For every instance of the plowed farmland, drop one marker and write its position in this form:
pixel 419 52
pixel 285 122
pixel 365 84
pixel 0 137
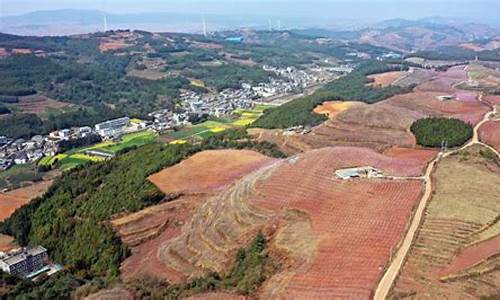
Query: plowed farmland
pixel 339 249
pixel 353 244
pixel 208 170
pixel 456 250
pixel 14 199
pixel 385 79
pixel 196 179
pixel 489 133
pixel 333 108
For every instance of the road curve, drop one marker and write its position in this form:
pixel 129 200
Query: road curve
pixel 392 271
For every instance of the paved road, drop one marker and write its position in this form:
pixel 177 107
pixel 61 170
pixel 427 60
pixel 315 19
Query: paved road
pixel 392 271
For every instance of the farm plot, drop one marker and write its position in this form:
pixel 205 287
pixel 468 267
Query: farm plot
pixel 463 212
pixel 7 243
pixel 385 79
pixel 444 81
pixel 208 171
pixel 301 197
pixel 489 133
pixel 198 178
pixel 39 105
pixel 12 200
pixel 209 128
pixel 354 244
pixel 333 108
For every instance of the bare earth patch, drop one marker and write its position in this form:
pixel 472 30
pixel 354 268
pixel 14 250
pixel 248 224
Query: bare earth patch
pixel 38 104
pixel 14 199
pixel 385 79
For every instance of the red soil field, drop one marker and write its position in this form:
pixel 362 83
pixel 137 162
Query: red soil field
pixel 473 255
pixel 148 230
pixel 110 46
pixel 38 104
pixel 385 79
pixel 423 156
pixel 444 81
pixel 493 100
pixel 198 178
pixel 7 243
pixel 489 133
pixel 208 171
pixel 14 199
pixel 358 222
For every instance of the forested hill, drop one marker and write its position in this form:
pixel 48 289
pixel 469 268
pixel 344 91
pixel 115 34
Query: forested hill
pixel 70 220
pixel 352 87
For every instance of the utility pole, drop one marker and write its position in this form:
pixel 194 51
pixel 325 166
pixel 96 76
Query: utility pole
pixel 279 25
pixel 270 25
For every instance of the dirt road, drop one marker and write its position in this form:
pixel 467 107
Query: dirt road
pixel 392 271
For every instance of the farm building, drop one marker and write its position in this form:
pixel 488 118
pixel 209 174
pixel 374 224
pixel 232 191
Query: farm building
pixel 358 172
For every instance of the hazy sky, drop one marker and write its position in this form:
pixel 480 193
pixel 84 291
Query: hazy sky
pixel 353 9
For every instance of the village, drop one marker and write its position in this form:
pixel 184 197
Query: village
pixel 194 106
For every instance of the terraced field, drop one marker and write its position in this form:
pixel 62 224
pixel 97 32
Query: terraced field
pixel 150 231
pixel 313 216
pixel 456 250
pixel 489 133
pixel 12 200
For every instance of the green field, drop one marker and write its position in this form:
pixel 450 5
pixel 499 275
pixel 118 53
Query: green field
pixel 77 157
pixel 207 129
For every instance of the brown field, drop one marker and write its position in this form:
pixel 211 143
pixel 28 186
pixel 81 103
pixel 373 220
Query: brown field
pixel 7 243
pixel 472 46
pixel 148 230
pixel 113 45
pixel 14 199
pixel 208 171
pixel 333 108
pixel 351 243
pixel 493 100
pixel 38 104
pixel 444 81
pixel 463 211
pixel 385 79
pixel 197 178
pixel 3 52
pixel 489 133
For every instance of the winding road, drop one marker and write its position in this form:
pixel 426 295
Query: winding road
pixel 393 270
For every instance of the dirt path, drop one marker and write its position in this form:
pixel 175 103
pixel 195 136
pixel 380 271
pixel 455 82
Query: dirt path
pixel 393 270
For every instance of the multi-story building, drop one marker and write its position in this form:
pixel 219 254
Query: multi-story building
pixel 24 261
pixel 112 127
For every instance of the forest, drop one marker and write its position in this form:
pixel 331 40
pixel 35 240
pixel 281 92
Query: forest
pixel 72 215
pixel 432 132
pixel 351 87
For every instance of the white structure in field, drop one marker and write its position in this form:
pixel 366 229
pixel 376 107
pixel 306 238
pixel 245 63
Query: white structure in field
pixel 359 172
pixel 112 127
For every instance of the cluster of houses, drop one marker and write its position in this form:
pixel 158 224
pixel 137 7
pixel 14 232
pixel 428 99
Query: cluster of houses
pixel 21 151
